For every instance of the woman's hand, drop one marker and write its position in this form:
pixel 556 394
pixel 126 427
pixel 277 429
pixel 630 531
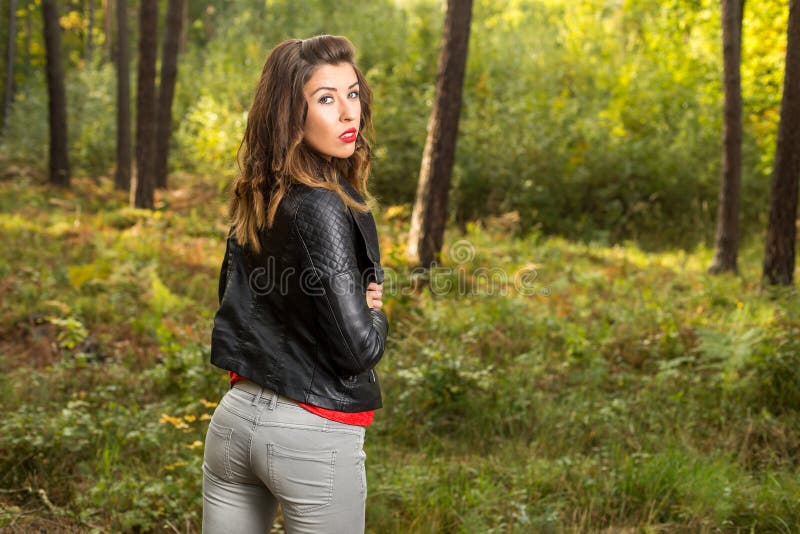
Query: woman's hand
pixel 375 295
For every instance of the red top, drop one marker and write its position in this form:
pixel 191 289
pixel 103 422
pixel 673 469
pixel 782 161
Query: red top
pixel 350 418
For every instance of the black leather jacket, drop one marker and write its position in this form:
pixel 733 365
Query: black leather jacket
pixel 294 318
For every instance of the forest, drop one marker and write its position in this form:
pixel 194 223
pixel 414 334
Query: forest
pixel 587 216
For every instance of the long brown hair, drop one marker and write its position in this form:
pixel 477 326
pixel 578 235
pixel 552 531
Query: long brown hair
pixel 272 154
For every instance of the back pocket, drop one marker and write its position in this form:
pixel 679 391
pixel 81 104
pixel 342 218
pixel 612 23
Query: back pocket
pixel 302 479
pixel 217 453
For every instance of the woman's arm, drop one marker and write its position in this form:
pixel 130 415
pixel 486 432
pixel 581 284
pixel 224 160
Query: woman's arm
pixel 357 333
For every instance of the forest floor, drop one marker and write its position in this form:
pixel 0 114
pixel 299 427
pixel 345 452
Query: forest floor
pixel 531 383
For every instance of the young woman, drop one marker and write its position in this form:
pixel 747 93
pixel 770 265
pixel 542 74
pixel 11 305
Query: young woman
pixel 299 325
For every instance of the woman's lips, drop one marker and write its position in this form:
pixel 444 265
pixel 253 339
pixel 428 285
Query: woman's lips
pixel 349 136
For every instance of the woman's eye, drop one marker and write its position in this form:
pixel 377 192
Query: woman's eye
pixel 354 93
pixel 324 99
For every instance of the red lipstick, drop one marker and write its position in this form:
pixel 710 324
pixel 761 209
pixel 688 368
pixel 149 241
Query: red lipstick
pixel 349 136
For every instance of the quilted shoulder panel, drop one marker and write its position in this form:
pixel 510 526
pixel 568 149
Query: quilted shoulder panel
pixel 325 227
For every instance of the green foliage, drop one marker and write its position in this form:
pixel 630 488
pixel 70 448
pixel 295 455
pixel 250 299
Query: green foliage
pixel 594 120
pixel 620 390
pixel 91 122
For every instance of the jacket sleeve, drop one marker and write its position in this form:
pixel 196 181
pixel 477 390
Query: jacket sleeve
pixel 356 333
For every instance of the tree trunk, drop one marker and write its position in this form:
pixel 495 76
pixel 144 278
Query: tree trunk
pixel 108 18
pixel 89 31
pixel 166 91
pixel 146 105
pixel 429 216
pixel 729 192
pixel 782 227
pixel 122 176
pixel 57 98
pixel 11 54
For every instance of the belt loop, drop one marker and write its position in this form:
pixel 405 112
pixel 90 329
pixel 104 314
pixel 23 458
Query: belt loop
pixel 257 398
pixel 273 401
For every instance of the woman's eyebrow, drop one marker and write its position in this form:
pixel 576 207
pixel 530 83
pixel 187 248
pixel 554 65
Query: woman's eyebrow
pixel 332 88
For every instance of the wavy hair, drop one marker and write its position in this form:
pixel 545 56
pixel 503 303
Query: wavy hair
pixel 272 155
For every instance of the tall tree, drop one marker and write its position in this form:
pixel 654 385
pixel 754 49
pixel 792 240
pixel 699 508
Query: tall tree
pixel 144 191
pixel 57 98
pixel 166 90
pixel 11 54
pixel 779 253
pixel 108 17
pixel 730 182
pixel 429 216
pixel 122 176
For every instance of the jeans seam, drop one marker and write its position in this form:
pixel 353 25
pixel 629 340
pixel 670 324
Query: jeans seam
pixel 323 429
pixel 228 469
pixel 250 444
pixel 237 413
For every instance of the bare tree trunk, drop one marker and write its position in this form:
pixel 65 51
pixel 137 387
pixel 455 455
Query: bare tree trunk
pixel 166 91
pixel 108 27
pixel 89 31
pixel 57 98
pixel 782 227
pixel 122 176
pixel 729 192
pixel 144 191
pixel 429 217
pixel 11 54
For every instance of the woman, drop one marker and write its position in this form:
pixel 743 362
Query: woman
pixel 299 326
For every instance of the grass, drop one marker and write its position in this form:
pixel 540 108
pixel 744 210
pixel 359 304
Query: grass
pixel 607 390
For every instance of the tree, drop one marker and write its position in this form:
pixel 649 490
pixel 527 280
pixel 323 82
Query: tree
pixel 730 183
pixel 166 91
pixel 122 176
pixel 146 105
pixel 8 93
pixel 57 99
pixel 781 229
pixel 108 17
pixel 429 217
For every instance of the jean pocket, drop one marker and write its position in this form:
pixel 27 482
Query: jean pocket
pixel 217 452
pixel 302 479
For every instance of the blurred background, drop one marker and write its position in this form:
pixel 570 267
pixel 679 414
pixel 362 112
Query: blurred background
pixel 602 379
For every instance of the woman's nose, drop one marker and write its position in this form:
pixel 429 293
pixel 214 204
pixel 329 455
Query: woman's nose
pixel 349 111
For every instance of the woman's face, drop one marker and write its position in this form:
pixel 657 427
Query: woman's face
pixel 334 110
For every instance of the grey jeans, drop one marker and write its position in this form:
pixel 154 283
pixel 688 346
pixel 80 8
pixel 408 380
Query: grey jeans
pixel 263 449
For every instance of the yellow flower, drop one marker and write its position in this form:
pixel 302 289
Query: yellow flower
pixel 171 467
pixel 168 419
pixel 195 445
pixel 190 418
pixel 177 422
pixel 208 404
